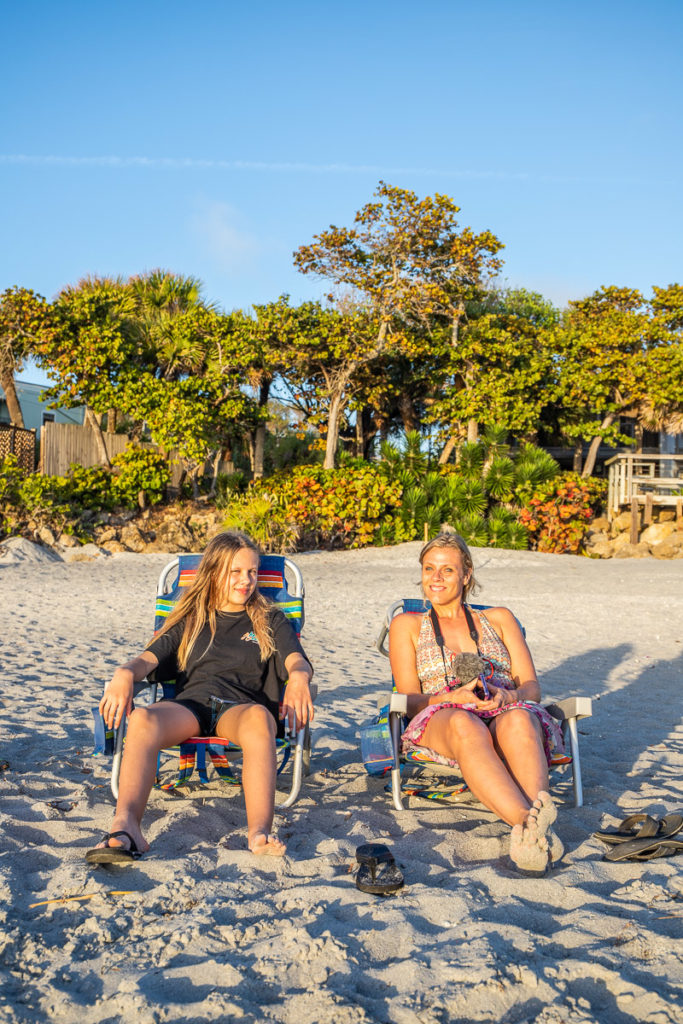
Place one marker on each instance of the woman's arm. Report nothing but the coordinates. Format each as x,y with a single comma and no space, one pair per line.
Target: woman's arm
403,634
521,663
118,693
297,704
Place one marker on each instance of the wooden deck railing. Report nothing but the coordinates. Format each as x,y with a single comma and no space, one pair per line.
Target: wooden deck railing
647,480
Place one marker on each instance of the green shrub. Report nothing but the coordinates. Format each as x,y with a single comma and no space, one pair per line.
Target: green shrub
139,469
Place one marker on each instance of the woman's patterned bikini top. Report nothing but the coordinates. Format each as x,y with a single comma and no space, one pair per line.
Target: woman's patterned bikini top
430,664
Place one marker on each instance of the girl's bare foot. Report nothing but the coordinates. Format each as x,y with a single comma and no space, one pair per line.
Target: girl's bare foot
132,830
266,843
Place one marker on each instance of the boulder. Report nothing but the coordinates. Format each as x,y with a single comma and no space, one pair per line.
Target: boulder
46,536
601,524
600,549
104,533
114,547
621,540
666,515
670,547
131,538
621,522
657,532
67,540
173,536
629,550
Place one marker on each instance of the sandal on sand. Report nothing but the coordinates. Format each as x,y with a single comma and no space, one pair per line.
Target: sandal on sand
378,873
114,854
641,826
645,849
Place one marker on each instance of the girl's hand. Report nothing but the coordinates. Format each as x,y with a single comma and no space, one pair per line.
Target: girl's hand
297,704
118,697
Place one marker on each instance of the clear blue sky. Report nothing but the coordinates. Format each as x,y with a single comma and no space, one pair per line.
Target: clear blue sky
213,138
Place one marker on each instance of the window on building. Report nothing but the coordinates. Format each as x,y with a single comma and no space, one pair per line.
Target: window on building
48,417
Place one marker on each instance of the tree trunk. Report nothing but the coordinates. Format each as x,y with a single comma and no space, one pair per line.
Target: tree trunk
332,431
472,430
578,456
592,455
360,434
14,409
259,450
448,450
111,421
407,412
91,421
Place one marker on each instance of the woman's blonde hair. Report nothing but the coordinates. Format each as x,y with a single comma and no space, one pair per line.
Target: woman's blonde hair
207,591
449,539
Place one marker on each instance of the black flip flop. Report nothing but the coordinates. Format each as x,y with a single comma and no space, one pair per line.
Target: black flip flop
645,849
114,854
641,826
378,873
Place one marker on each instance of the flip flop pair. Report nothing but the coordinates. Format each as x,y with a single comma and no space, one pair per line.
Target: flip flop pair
114,854
378,873
641,837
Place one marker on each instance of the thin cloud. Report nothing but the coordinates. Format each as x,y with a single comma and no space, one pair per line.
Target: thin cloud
285,167
216,226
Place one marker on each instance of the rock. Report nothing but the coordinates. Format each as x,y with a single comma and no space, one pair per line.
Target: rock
67,540
104,533
114,547
86,553
632,551
621,522
132,539
658,532
620,541
173,536
667,515
600,549
46,535
595,536
601,524
18,549
670,547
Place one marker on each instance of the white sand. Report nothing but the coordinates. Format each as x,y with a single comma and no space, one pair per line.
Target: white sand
207,932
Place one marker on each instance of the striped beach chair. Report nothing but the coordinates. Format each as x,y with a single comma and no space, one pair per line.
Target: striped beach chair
386,758
280,580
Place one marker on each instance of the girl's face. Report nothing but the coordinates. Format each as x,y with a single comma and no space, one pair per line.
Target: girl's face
443,575
240,583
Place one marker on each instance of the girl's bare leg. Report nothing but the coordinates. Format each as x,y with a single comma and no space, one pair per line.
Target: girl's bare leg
463,737
252,728
149,731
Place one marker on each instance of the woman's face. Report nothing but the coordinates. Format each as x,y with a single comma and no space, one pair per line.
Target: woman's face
443,575
240,583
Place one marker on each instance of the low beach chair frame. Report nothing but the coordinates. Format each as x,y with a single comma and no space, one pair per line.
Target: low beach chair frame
298,741
567,712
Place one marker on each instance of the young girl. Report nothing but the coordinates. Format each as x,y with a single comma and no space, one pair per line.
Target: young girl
501,740
228,649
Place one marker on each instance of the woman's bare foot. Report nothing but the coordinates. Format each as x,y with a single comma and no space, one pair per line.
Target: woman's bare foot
555,845
529,850
543,811
266,843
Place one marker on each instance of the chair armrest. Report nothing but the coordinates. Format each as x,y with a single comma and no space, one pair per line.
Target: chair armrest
571,707
381,643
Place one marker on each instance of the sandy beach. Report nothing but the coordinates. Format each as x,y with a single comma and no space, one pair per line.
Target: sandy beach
200,930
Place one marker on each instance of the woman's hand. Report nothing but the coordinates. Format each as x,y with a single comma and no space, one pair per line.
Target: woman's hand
118,697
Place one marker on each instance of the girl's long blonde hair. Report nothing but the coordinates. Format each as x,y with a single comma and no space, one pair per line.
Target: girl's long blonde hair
207,591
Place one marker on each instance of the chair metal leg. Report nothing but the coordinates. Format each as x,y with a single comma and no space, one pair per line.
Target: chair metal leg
395,731
297,767
118,754
572,727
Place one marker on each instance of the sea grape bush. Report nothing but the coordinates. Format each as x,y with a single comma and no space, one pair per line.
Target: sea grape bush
558,514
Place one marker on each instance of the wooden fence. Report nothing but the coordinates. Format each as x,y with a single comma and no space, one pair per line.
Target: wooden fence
648,480
20,442
64,443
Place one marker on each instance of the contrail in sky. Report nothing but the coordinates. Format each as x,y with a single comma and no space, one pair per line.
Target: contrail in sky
192,163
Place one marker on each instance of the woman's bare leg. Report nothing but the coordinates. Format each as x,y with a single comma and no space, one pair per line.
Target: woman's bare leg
518,740
149,730
463,737
252,728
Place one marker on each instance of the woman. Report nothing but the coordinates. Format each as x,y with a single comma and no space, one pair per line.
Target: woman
228,649
501,741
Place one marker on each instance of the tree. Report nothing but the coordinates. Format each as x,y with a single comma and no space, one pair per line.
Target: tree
618,354
408,259
23,316
501,371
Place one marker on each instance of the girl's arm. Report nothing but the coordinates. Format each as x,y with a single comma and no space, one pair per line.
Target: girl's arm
297,704
403,633
118,693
